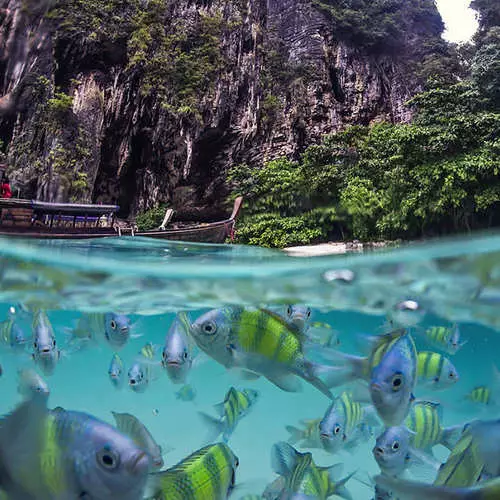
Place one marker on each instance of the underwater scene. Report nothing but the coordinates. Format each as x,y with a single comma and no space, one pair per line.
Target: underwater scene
135,369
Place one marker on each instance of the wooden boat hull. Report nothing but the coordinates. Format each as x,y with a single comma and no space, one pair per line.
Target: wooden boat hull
212,232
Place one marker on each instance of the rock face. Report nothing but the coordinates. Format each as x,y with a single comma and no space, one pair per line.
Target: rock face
156,109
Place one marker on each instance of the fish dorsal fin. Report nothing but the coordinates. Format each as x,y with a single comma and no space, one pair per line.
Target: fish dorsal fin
291,326
284,458
433,405
126,423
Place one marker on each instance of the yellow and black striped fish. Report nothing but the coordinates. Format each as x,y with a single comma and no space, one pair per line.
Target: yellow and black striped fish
444,338
235,406
206,474
436,370
258,341
481,395
304,477
424,420
341,423
308,436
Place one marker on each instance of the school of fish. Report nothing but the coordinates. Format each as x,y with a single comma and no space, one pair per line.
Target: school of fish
387,395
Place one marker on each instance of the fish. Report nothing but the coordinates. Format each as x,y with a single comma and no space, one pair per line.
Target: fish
444,338
343,424
177,358
45,352
140,373
308,437
304,477
12,335
186,393
435,370
235,406
62,454
111,328
392,450
424,421
412,490
258,342
135,429
299,316
207,474
31,383
390,369
481,394
116,371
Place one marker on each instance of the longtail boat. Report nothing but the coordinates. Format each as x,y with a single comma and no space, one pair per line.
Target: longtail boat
39,219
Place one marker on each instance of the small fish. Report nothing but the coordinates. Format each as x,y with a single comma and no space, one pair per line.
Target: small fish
176,355
186,393
257,341
445,339
235,406
392,450
140,373
435,370
410,490
31,383
343,424
156,412
45,352
109,327
304,477
12,335
424,421
206,474
135,429
308,437
60,454
481,395
116,371
390,369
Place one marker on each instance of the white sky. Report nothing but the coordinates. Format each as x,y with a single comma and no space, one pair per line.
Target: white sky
460,21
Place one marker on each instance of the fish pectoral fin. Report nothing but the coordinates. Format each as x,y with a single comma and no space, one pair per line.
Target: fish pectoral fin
219,409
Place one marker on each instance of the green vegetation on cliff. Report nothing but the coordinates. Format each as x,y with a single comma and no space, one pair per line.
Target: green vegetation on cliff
437,175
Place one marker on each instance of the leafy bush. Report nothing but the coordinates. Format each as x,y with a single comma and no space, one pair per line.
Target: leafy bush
150,219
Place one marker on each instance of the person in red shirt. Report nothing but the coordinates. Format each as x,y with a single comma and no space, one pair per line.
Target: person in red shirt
5,191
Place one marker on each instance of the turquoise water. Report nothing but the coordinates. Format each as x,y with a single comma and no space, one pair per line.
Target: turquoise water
453,281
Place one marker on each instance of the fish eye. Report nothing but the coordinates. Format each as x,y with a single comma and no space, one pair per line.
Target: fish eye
54,343
397,382
289,311
185,355
112,324
308,313
395,446
451,375
336,430
107,458
210,328
236,462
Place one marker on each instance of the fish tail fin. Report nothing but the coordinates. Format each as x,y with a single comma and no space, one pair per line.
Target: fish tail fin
412,490
339,489
312,373
283,458
215,426
295,434
451,435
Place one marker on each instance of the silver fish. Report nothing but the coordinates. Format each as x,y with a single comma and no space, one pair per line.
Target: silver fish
111,327
176,355
116,371
138,377
45,351
135,429
31,383
63,454
392,450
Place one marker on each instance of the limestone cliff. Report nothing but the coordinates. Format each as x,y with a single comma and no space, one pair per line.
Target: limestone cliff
142,101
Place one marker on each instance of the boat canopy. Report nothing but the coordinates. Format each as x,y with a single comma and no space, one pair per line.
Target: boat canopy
73,208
